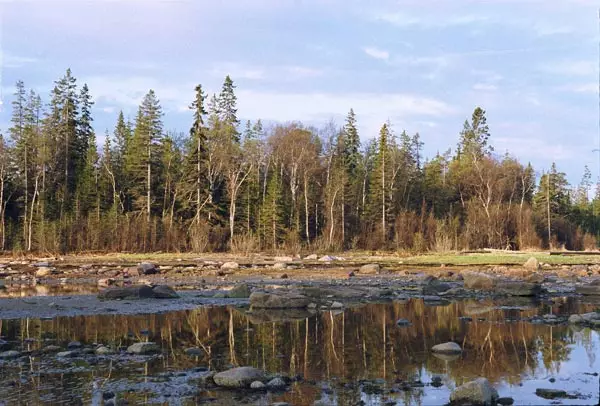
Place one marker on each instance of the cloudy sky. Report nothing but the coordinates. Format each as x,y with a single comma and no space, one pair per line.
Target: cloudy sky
423,64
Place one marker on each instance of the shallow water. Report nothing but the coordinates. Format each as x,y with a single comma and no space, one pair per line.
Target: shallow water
344,357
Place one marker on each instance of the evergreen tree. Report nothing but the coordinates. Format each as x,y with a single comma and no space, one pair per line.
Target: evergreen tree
228,110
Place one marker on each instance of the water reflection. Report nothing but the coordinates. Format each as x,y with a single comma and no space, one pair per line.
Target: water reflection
333,351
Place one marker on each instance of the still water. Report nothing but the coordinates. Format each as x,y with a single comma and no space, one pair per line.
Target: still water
345,357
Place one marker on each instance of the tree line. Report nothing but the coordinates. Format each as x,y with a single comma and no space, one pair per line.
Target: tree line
227,185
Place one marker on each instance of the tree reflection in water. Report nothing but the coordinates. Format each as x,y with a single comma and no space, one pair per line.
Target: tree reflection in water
338,348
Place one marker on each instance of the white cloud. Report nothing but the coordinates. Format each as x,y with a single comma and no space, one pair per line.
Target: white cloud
377,53
531,147
303,71
237,71
9,60
581,88
429,21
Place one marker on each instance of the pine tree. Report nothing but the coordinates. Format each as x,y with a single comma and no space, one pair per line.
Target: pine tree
196,157
271,213
379,181
228,110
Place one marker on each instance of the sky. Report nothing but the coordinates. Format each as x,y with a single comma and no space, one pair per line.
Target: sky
422,64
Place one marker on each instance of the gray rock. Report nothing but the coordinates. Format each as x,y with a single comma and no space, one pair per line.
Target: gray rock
193,352
477,392
370,269
138,292
230,266
9,354
518,288
146,268
241,291
478,280
435,287
240,377
257,385
67,354
51,348
143,348
287,300
505,401
311,257
337,305
588,290
276,383
74,345
280,265
447,348
403,323
43,264
532,264
280,404
552,393
44,271
327,258
103,350
283,259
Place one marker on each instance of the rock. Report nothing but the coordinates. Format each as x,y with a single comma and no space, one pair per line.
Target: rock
276,383
9,354
106,282
74,345
477,392
230,266
447,348
532,264
131,271
327,258
403,323
351,274
337,305
50,348
139,292
535,277
67,354
240,377
280,265
42,264
143,348
435,287
505,401
288,300
193,352
241,291
103,350
43,271
514,288
258,385
164,292
580,270
146,268
478,280
283,276
311,257
586,318
552,393
283,259
370,269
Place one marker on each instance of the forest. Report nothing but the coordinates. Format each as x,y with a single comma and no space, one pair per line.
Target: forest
245,187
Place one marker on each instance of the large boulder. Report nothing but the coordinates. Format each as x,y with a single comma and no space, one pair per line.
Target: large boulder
586,318
240,377
278,300
146,268
518,288
44,271
588,290
230,266
435,287
138,292
532,264
241,291
370,269
144,348
478,392
478,280
447,348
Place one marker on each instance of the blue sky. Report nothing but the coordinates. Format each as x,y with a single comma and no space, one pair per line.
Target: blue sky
424,65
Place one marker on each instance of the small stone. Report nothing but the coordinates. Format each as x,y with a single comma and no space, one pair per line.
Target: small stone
43,271
505,401
280,265
552,393
370,269
108,395
447,348
351,274
477,392
230,266
103,350
67,354
276,383
403,323
284,276
146,268
143,348
311,257
532,264
240,377
257,385
74,345
337,305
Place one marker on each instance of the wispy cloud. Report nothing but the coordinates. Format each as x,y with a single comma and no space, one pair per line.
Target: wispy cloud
12,61
485,87
428,21
572,68
377,53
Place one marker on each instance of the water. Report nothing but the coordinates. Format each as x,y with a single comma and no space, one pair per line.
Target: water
344,357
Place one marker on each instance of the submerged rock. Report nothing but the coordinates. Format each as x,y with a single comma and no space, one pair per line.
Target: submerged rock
230,266
240,377
139,292
288,300
143,348
478,392
552,394
518,288
9,354
146,268
447,348
478,280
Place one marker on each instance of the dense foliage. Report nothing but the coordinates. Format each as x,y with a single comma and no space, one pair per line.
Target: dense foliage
231,185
